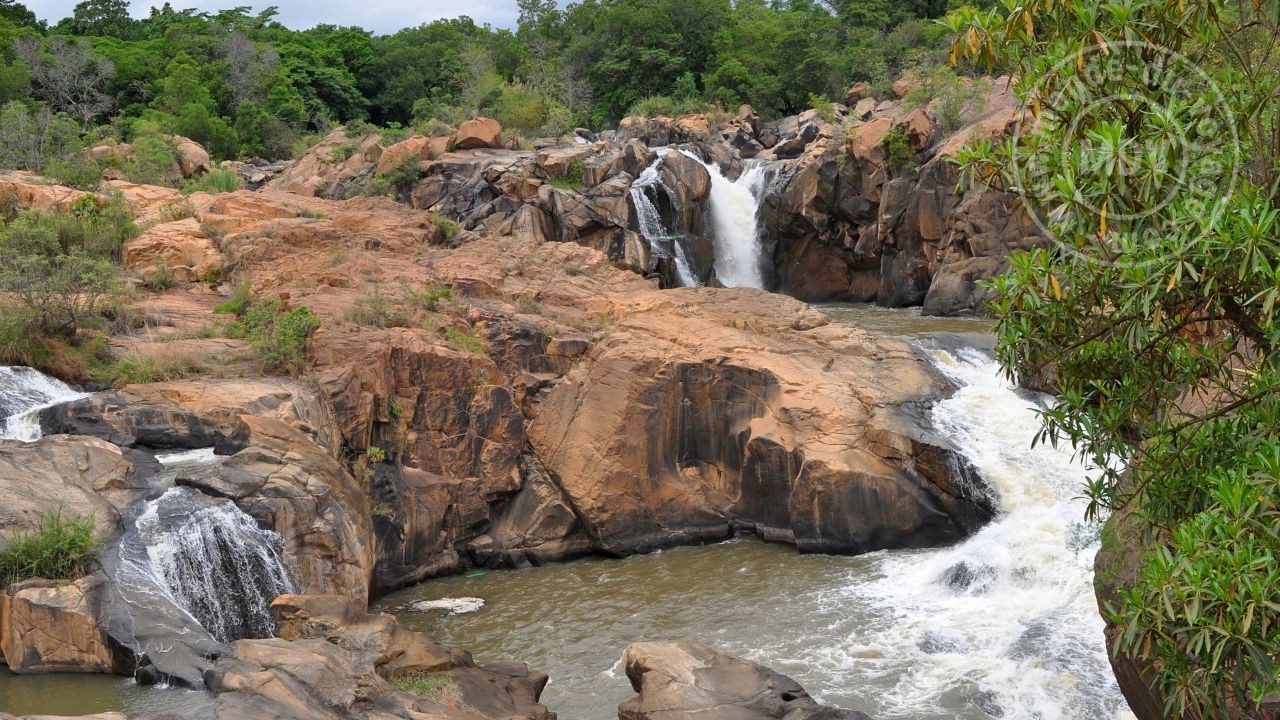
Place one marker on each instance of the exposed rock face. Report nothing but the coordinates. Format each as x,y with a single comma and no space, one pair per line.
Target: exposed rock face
47,626
478,133
685,680
322,170
190,157
335,662
182,246
416,148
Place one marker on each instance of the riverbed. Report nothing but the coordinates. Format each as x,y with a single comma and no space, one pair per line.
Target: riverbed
1003,625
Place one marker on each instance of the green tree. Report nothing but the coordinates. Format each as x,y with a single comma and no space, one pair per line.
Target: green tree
101,17
1151,162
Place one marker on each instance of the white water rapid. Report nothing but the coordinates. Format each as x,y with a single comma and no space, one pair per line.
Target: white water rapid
663,242
24,392
732,209
1007,619
215,561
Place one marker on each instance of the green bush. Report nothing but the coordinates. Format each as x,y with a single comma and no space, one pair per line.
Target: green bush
463,342
572,178
214,181
240,300
280,338
153,158
430,296
376,454
899,157
401,179
58,548
76,171
343,152
656,105
825,108
447,227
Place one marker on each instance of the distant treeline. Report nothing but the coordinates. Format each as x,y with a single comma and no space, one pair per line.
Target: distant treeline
243,84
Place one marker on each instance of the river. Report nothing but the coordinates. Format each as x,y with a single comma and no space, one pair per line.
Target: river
1003,625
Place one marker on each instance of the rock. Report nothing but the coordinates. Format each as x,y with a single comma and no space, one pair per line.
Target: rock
343,621
904,85
323,171
685,680
857,93
182,245
190,157
418,147
955,289
79,475
478,133
48,626
32,194
118,153
921,129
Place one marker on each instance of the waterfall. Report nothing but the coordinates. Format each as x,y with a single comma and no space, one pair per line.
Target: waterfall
24,392
735,226
663,242
215,561
1008,617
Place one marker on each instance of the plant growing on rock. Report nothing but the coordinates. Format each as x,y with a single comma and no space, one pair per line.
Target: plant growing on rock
899,158
376,454
572,178
57,547
464,342
448,228
214,181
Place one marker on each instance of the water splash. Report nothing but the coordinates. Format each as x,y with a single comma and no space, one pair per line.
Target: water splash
24,392
732,208
216,562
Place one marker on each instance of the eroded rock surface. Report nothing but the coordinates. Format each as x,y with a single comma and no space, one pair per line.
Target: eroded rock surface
686,680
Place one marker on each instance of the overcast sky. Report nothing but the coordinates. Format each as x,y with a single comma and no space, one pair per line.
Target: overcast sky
381,16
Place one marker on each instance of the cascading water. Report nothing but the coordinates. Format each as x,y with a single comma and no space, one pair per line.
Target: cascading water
1009,615
1003,625
24,392
662,242
215,562
735,227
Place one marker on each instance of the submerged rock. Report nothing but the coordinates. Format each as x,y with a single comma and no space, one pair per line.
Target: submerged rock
685,680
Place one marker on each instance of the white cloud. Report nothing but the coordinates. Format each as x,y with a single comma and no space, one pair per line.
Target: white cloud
381,16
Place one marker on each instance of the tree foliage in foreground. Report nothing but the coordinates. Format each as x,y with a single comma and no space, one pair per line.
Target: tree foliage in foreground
1150,159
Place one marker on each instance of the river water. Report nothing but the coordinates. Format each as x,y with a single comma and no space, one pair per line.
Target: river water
1003,625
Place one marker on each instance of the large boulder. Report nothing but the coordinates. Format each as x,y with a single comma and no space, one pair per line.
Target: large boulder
190,157
686,680
182,247
416,148
48,626
478,132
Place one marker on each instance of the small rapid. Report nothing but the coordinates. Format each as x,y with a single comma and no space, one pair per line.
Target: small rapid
1002,625
24,392
215,562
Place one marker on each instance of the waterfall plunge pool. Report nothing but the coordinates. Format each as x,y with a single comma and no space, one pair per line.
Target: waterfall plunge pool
1003,625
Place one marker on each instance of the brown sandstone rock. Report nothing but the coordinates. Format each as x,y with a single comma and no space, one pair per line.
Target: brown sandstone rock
856,93
48,626
191,157
183,247
685,680
478,132
80,475
418,147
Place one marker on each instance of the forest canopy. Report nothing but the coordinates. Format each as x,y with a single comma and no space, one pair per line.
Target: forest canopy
244,85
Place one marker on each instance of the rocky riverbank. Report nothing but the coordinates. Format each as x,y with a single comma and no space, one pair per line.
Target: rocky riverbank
500,397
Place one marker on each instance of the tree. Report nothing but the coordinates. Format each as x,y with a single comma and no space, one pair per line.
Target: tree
30,139
18,14
1151,163
102,17
69,76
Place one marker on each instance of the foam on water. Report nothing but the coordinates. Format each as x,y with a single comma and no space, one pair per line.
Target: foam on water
24,392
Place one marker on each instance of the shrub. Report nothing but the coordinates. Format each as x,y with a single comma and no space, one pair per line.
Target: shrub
400,180
377,310
214,181
161,278
464,342
32,139
58,548
656,105
447,227
163,367
899,157
343,152
76,170
177,210
153,158
279,338
376,454
240,300
824,107
430,296
572,178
